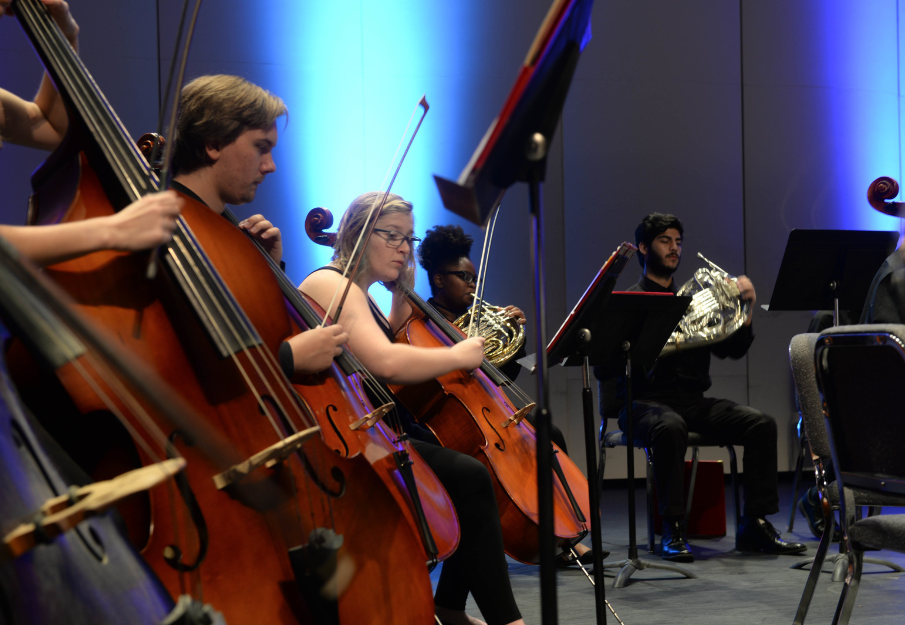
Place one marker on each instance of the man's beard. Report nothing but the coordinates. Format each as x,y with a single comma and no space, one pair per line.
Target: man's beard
657,266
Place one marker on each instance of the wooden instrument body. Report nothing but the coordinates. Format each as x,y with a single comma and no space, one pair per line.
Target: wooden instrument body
105,581
338,401
465,411
246,572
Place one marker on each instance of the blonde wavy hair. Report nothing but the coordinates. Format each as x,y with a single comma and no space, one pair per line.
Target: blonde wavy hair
353,222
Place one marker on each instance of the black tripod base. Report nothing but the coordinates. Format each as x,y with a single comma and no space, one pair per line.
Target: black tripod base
629,566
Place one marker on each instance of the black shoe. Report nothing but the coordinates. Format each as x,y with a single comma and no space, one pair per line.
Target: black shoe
816,521
565,560
760,535
673,546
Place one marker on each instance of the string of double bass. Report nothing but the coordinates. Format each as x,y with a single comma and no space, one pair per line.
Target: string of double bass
221,315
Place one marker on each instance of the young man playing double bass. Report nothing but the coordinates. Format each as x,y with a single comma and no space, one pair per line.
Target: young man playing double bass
223,151
669,401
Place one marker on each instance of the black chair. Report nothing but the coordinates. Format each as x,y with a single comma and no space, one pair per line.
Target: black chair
822,320
860,372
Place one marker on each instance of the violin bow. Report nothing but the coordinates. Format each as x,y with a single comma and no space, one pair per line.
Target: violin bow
164,179
474,322
374,215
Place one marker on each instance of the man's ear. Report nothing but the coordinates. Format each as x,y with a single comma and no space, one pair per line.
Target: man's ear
642,249
212,149
438,280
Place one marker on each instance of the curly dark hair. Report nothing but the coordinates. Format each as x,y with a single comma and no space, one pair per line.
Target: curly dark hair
653,226
443,245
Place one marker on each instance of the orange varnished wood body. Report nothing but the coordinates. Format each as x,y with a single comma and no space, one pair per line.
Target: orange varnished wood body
338,401
246,573
465,411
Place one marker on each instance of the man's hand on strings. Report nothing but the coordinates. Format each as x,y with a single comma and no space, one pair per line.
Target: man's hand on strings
314,350
266,233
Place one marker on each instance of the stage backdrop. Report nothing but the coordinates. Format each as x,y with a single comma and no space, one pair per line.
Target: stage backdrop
745,119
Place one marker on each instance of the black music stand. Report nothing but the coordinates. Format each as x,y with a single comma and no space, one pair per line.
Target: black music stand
514,149
630,329
830,269
570,346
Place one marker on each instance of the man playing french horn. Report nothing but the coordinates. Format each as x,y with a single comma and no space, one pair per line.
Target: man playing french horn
669,401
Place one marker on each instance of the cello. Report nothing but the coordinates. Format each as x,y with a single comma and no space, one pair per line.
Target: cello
471,414
279,536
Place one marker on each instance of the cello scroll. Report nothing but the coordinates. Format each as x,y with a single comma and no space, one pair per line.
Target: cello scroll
880,192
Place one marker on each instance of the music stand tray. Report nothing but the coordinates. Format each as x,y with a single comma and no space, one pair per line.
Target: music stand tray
565,346
533,106
830,269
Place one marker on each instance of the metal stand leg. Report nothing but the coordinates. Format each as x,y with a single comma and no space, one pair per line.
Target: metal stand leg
593,493
633,562
544,458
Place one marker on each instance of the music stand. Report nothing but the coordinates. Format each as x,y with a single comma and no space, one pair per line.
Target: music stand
514,149
633,328
570,346
830,269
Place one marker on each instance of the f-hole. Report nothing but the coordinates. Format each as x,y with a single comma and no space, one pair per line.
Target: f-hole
172,553
500,444
321,484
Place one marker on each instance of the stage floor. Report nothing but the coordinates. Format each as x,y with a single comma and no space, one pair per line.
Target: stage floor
731,587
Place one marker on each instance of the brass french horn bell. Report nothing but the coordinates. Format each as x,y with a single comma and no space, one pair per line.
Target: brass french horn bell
716,310
504,336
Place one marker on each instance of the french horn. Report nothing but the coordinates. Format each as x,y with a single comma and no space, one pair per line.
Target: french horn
503,335
716,310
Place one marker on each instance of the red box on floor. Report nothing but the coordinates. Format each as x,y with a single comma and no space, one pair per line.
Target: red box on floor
708,509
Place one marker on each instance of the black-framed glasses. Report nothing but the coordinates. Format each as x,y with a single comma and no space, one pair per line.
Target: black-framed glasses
467,278
395,238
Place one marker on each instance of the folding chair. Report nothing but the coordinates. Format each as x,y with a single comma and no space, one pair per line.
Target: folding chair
861,376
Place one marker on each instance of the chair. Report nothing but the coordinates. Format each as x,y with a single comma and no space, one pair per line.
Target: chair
609,408
802,360
822,320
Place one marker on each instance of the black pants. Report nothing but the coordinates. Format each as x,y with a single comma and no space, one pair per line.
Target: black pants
479,564
664,428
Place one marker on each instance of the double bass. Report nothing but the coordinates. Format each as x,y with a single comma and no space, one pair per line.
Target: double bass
51,531
279,536
469,412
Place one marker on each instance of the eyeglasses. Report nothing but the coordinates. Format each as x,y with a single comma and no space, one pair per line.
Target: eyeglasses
395,239
467,278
